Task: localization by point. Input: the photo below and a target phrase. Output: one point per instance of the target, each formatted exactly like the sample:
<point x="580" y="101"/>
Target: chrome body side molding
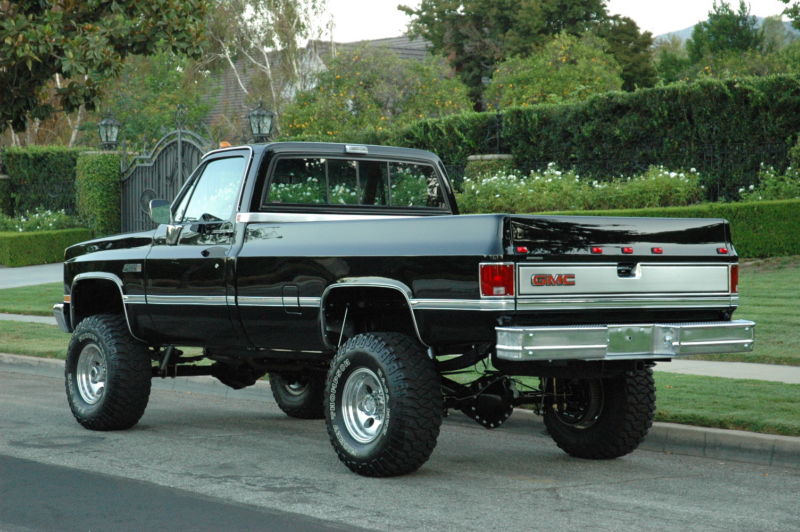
<point x="291" y="217"/>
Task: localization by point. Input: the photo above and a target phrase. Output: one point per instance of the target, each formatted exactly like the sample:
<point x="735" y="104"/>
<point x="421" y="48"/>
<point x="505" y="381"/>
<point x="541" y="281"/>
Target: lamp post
<point x="260" y="122"/>
<point x="109" y="131"/>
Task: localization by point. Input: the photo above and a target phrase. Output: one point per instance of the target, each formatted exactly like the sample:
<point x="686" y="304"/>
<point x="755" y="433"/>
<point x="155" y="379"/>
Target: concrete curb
<point x="724" y="444"/>
<point x="719" y="444"/>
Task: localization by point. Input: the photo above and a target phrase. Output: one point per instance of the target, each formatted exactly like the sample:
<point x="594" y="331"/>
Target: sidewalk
<point x="733" y="370"/>
<point x="31" y="275"/>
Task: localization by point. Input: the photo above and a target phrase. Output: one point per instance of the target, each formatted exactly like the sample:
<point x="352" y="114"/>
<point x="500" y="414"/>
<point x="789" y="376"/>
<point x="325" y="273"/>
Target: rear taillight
<point x="497" y="280"/>
<point x="734" y="279"/>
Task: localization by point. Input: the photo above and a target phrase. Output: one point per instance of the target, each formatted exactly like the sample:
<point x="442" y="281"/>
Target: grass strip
<point x="751" y="405"/>
<point x="33" y="339"/>
<point x="769" y="291"/>
<point x="37" y="300"/>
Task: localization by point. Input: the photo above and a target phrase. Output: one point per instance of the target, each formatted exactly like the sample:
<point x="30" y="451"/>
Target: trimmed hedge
<point x="97" y="188"/>
<point x="724" y="128"/>
<point x="759" y="229"/>
<point x="5" y="196"/>
<point x="42" y="176"/>
<point x="38" y="247"/>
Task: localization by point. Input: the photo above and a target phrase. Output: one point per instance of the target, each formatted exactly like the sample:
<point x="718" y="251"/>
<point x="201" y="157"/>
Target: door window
<point x="215" y="192"/>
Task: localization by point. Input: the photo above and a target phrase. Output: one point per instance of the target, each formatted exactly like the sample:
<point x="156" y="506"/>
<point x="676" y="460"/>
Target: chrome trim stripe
<point x="186" y="300"/>
<point x="292" y="217"/>
<point x="273" y="301"/>
<point x="638" y="302"/>
<point x="310" y="301"/>
<point x="507" y="304"/>
<point x="494" y="305"/>
<point x="259" y="301"/>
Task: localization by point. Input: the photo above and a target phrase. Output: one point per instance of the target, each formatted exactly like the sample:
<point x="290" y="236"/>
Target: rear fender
<point x="362" y="292"/>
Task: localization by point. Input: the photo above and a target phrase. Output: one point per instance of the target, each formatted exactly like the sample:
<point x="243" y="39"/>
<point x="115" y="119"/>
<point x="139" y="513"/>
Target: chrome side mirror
<point x="159" y="211"/>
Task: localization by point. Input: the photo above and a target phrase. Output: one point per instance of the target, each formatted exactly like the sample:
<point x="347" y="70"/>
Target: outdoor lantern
<point x="260" y="122"/>
<point x="109" y="131"/>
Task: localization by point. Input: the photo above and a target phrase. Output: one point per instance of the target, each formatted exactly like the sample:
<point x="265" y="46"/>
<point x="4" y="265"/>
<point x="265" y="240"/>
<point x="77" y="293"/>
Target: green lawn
<point x="36" y="300"/>
<point x="757" y="406"/>
<point x="35" y="339"/>
<point x="770" y="295"/>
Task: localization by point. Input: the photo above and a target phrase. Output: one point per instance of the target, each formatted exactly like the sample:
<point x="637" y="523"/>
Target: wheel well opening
<point x="95" y="296"/>
<point x="367" y="309"/>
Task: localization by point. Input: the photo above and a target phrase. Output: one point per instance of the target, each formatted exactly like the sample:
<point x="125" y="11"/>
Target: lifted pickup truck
<point x="345" y="273"/>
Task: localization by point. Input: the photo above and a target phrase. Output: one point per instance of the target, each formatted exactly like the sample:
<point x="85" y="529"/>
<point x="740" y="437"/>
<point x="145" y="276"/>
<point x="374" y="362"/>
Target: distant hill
<point x="686" y="33"/>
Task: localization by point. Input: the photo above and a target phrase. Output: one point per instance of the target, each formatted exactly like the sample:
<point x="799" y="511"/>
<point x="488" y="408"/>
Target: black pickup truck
<point x="345" y="273"/>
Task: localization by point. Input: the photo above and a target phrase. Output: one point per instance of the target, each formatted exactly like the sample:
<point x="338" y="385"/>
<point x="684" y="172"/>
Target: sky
<point x="357" y="20"/>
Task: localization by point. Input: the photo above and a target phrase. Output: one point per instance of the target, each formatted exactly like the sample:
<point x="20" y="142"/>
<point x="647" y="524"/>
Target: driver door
<point x="188" y="268"/>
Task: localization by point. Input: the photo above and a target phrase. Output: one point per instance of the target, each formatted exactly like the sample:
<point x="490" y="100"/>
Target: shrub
<point x="657" y="187"/>
<point x="491" y="164"/>
<point x="22" y="249"/>
<point x="724" y="128"/>
<point x="97" y="187"/>
<point x="42" y="176"/>
<point x="6" y="206"/>
<point x="758" y="229"/>
<point x="553" y="189"/>
<point x="773" y="185"/>
<point x="39" y="220"/>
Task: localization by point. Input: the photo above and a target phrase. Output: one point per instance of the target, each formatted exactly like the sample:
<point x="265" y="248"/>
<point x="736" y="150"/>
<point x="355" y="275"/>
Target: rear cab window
<point x="341" y="183"/>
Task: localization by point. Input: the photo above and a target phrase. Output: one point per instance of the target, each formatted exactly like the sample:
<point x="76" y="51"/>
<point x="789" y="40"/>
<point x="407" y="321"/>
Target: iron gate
<point x="158" y="175"/>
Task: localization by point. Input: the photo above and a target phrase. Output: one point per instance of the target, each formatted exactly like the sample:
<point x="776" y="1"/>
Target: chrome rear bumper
<point x="625" y="341"/>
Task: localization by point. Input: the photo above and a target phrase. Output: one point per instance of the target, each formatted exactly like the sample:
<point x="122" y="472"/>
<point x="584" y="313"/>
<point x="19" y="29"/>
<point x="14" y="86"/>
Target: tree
<point x="474" y="35"/>
<point x="372" y="88"/>
<point x="632" y="50"/>
<point x="147" y="93"/>
<point x="565" y="69"/>
<point x="82" y="44"/>
<point x="725" y="30"/>
<point x="776" y="35"/>
<point x="793" y="12"/>
<point x="263" y="43"/>
<point x="672" y="61"/>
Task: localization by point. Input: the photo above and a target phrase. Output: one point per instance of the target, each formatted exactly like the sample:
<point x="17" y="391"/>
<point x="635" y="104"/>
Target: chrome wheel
<point x="364" y="405"/>
<point x="91" y="373"/>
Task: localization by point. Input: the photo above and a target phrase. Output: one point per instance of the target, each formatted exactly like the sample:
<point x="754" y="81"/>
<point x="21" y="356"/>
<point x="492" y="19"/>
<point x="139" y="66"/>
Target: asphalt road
<point x="202" y="461"/>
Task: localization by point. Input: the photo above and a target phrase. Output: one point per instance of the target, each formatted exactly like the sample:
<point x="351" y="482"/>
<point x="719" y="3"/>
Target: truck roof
<point x="335" y="148"/>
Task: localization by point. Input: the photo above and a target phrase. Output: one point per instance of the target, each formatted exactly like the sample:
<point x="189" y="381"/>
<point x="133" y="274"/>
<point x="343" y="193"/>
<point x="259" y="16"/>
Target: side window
<point x="353" y="182"/>
<point x="298" y="181"/>
<point x="215" y="192"/>
<point x="415" y="185"/>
